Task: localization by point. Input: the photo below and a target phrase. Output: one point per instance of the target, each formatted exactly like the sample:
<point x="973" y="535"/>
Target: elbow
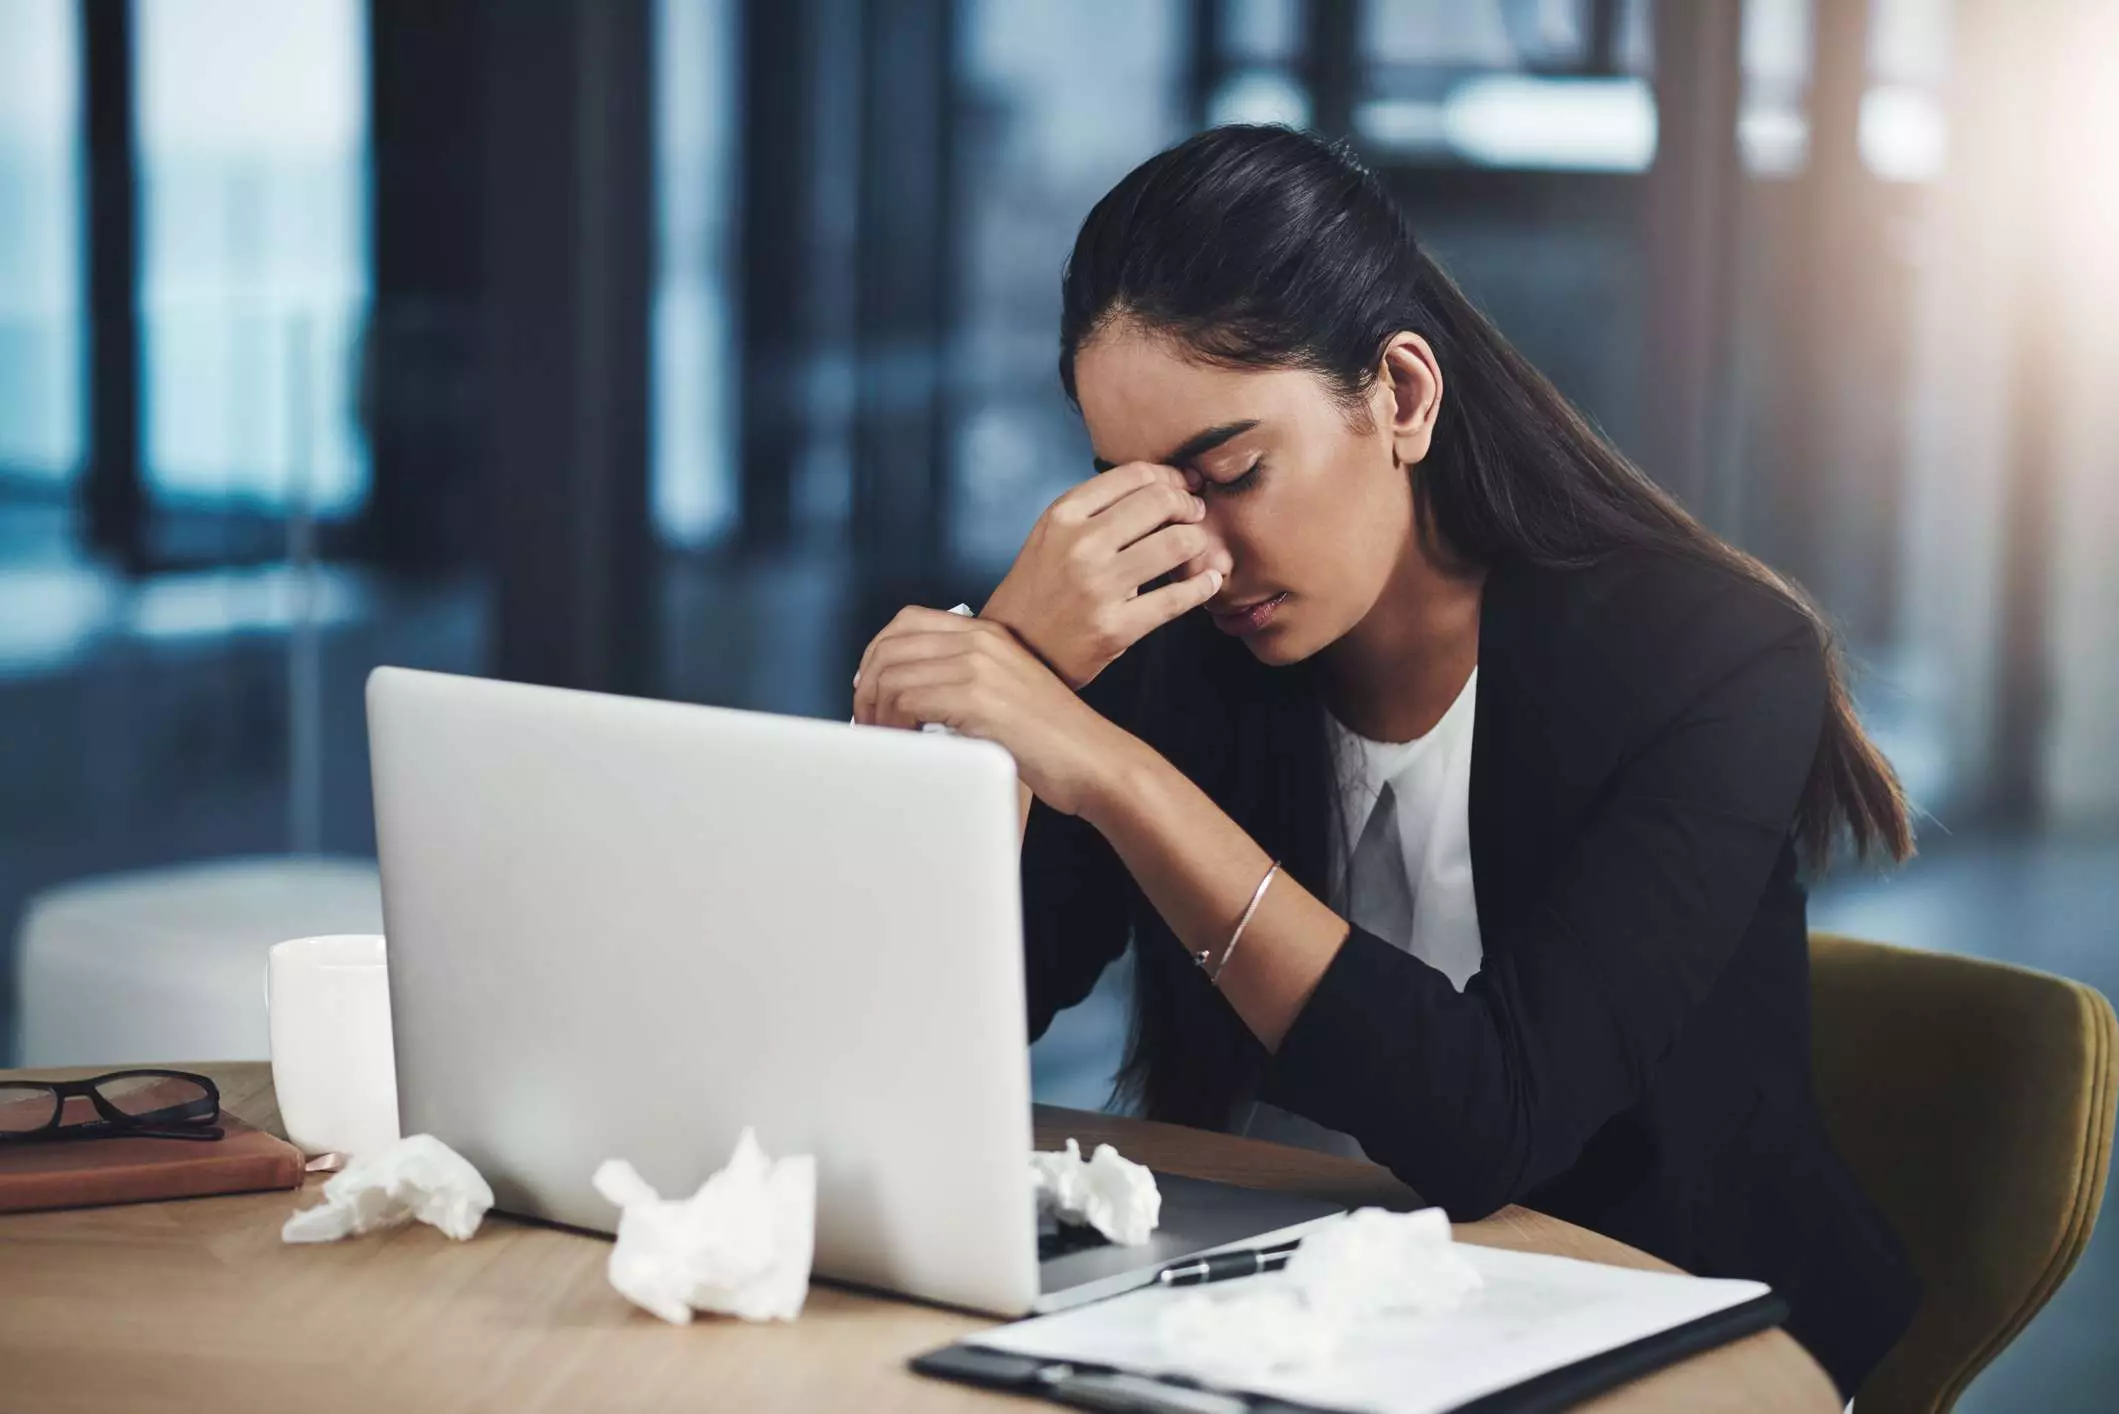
<point x="1466" y="1178"/>
<point x="1476" y="1160"/>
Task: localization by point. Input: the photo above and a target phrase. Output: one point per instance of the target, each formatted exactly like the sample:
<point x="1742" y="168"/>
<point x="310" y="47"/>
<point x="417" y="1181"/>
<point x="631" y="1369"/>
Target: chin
<point x="1280" y="646"/>
<point x="1292" y="638"/>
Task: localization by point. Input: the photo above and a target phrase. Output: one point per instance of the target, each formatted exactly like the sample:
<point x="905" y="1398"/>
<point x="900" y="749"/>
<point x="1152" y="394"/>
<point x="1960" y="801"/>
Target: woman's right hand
<point x="1073" y="595"/>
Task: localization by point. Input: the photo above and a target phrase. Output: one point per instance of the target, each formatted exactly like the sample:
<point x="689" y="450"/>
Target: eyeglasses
<point x="125" y="1104"/>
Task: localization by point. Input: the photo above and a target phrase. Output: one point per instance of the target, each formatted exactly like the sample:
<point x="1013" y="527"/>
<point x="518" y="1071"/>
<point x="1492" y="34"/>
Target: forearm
<point x="1199" y="869"/>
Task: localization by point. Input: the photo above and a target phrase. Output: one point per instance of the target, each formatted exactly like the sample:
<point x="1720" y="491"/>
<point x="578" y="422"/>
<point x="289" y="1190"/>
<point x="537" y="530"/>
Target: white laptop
<point x="629" y="928"/>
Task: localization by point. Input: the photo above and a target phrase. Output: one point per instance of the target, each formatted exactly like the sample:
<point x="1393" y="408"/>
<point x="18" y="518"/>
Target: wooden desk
<point x="197" y="1304"/>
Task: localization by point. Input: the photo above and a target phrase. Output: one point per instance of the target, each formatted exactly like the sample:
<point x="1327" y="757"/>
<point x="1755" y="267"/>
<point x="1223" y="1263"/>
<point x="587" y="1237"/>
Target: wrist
<point x="1123" y="769"/>
<point x="1015" y="632"/>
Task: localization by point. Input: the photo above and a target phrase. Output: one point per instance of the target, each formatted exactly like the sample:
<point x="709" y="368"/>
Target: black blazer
<point x="1634" y="1054"/>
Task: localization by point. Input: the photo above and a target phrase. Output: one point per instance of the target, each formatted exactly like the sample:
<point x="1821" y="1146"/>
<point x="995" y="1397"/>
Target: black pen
<point x="1222" y="1266"/>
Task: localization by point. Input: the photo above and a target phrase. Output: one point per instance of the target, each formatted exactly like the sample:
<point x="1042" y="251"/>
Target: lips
<point x="1248" y="618"/>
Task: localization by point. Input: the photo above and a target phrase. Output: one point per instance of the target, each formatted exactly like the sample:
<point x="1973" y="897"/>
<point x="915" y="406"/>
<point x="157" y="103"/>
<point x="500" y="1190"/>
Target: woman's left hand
<point x="975" y="678"/>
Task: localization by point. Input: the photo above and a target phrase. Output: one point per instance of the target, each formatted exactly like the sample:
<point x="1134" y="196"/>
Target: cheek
<point x="1335" y="543"/>
<point x="1350" y="542"/>
<point x="1271" y="547"/>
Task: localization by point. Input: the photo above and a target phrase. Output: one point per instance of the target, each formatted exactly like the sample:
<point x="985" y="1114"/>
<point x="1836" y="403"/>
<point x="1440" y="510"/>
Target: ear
<point x="1409" y="396"/>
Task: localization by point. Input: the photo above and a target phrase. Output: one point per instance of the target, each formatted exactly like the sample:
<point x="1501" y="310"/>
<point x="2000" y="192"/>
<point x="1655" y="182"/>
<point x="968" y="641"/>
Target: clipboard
<point x="1103" y="1387"/>
<point x="1646" y="1327"/>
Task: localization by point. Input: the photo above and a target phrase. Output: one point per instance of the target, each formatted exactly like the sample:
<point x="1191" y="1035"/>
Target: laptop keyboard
<point x="1066" y="1238"/>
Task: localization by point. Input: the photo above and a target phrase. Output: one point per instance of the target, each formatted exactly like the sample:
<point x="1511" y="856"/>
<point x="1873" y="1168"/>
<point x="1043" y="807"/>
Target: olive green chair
<point x="1974" y="1101"/>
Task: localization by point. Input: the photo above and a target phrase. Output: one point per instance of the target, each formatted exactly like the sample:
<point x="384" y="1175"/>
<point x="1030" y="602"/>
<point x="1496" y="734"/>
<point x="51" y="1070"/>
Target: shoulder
<point x="1640" y="594"/>
<point x="1645" y="632"/>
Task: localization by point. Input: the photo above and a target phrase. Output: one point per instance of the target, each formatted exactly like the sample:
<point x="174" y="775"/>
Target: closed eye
<point x="1242" y="483"/>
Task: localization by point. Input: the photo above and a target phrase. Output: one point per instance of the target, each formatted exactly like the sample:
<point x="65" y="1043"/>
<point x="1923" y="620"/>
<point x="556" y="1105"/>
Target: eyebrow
<point x="1197" y="445"/>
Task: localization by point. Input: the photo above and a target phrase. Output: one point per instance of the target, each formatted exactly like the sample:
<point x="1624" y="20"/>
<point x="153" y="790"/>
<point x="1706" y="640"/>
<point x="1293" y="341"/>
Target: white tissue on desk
<point x="418" y="1177"/>
<point x="1110" y="1193"/>
<point x="741" y="1245"/>
<point x="1371" y="1262"/>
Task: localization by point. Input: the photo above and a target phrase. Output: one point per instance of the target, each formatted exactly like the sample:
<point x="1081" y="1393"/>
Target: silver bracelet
<point x="1204" y="955"/>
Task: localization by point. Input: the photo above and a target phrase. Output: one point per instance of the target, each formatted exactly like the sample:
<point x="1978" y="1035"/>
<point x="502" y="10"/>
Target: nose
<point x="1219" y="554"/>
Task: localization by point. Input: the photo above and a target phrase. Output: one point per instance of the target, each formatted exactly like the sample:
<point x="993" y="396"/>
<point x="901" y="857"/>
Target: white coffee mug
<point x="333" y="1069"/>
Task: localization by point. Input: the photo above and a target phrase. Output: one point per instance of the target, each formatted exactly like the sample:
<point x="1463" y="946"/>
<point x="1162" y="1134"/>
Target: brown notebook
<point x="86" y="1173"/>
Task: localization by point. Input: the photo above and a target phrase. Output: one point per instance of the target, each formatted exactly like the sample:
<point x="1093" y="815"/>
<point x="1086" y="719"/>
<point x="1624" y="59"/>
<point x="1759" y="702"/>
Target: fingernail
<point x="1199" y="504"/>
<point x="856" y="679"/>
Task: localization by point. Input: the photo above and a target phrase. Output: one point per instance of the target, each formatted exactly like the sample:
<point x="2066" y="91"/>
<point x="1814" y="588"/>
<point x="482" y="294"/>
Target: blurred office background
<point x="667" y="346"/>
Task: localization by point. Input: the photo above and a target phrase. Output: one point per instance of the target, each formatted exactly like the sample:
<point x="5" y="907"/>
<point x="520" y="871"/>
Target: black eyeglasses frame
<point x="190" y="1119"/>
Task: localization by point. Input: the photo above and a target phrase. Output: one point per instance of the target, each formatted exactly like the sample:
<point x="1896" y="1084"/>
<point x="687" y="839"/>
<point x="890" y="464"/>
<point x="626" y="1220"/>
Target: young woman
<point x="1463" y="827"/>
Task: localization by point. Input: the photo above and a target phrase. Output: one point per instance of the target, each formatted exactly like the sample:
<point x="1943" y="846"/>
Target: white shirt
<point x="1425" y="904"/>
<point x="1412" y="885"/>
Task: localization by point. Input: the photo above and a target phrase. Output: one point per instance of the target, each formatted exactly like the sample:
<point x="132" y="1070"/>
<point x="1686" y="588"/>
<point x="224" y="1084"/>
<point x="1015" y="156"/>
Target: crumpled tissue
<point x="418" y="1177"/>
<point x="741" y="1245"/>
<point x="1110" y="1193"/>
<point x="1371" y="1262"/>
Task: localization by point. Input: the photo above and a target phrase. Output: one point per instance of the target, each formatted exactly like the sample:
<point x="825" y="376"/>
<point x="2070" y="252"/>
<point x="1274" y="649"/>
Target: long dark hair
<point x="1261" y="247"/>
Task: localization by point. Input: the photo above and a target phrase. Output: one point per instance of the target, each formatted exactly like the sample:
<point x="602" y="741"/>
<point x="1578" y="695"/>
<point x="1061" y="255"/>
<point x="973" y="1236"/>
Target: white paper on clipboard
<point x="1534" y="1315"/>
